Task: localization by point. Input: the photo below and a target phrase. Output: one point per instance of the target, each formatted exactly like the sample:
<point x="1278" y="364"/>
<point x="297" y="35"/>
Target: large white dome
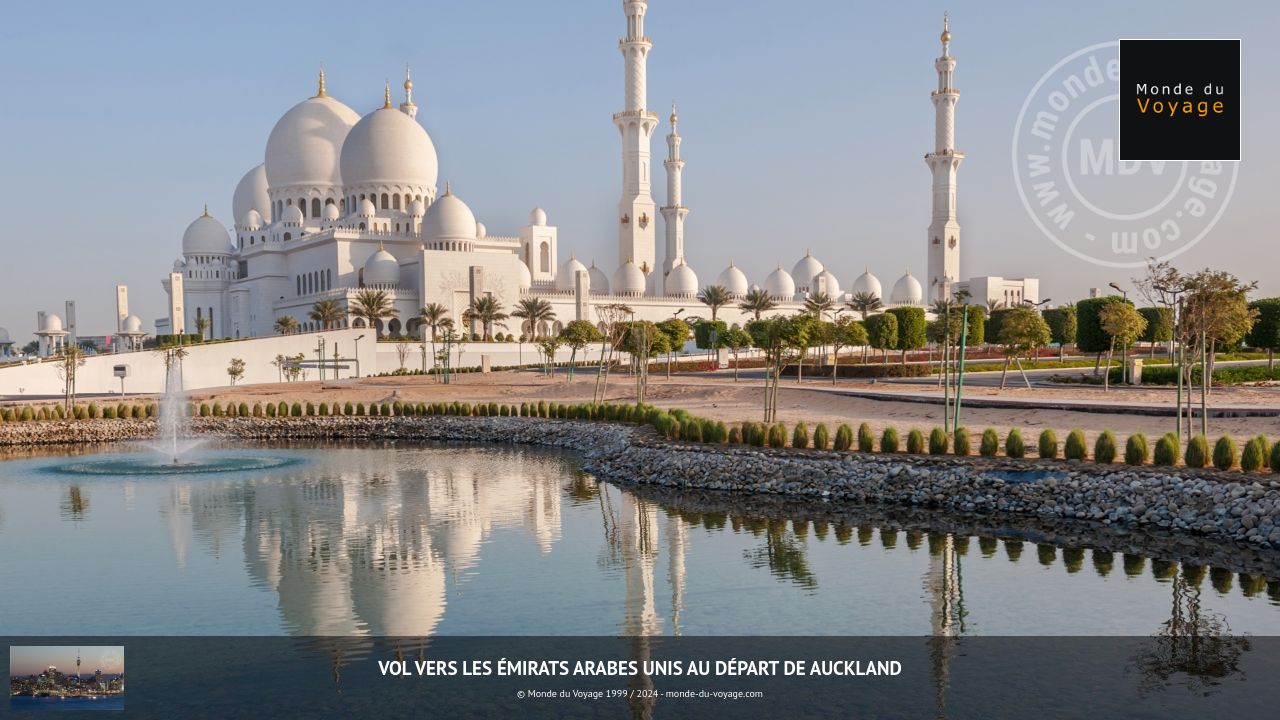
<point x="682" y="282"/>
<point x="449" y="218"/>
<point x="389" y="148"/>
<point x="779" y="285"/>
<point x="805" y="270"/>
<point x="305" y="145"/>
<point x="733" y="280"/>
<point x="381" y="269"/>
<point x="907" y="291"/>
<point x="628" y="280"/>
<point x="206" y="236"/>
<point x="251" y="194"/>
<point x="568" y="274"/>
<point x="599" y="281"/>
<point x="868" y="283"/>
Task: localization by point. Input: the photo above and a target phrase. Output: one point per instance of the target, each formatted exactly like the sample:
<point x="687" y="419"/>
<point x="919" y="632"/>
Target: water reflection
<point x="76" y="505"/>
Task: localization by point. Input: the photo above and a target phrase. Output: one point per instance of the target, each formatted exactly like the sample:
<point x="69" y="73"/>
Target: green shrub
<point x="778" y="436"/>
<point x="693" y="432"/>
<point x="1166" y="452"/>
<point x="322" y="409"/>
<point x="800" y="436"/>
<point x="722" y="433"/>
<point x="243" y="410"/>
<point x="1104" y="449"/>
<point x="1224" y="453"/>
<point x="386" y="410"/>
<point x="735" y="435"/>
<point x="348" y="408"/>
<point x="866" y="439"/>
<point x="989" y="445"/>
<point x="757" y="435"/>
<point x="889" y="440"/>
<point x="153" y="410"/>
<point x="1076" y="447"/>
<point x="94" y="411"/>
<point x="493" y="409"/>
<point x="821" y="437"/>
<point x="1136" y="450"/>
<point x="109" y="413"/>
<point x="1197" y="452"/>
<point x="123" y="411"/>
<point x="218" y="410"/>
<point x="1274" y="458"/>
<point x="1254" y="457"/>
<point x="360" y="408"/>
<point x="296" y="409"/>
<point x="961" y="444"/>
<point x="1014" y="446"/>
<point x="43" y="414"/>
<point x="257" y="409"/>
<point x="937" y="441"/>
<point x="311" y="409"/>
<point x="204" y="410"/>
<point x="271" y="409"/>
<point x="231" y="410"/>
<point x="1047" y="447"/>
<point x="915" y="442"/>
<point x="1265" y="444"/>
<point x="282" y="409"/>
<point x="542" y="409"/>
<point x="844" y="437"/>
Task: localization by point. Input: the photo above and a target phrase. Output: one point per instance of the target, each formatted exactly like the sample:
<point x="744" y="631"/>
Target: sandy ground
<point x="812" y="401"/>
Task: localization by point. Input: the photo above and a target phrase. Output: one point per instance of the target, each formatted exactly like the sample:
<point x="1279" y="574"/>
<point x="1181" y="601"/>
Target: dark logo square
<point x="1180" y="100"/>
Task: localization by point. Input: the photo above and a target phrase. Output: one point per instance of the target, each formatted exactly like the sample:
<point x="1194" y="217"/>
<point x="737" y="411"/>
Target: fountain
<point x="172" y="439"/>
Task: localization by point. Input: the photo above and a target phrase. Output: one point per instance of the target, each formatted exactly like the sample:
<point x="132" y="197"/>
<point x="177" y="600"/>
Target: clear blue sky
<point x="804" y="126"/>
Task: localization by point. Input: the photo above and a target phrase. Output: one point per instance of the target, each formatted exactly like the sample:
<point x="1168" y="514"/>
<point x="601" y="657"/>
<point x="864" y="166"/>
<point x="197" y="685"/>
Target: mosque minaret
<point x="944" y="163"/>
<point x="674" y="212"/>
<point x="636" y="210"/>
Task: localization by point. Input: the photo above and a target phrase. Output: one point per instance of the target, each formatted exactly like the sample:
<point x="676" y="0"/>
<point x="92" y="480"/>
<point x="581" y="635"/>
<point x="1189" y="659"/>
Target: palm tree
<point x="757" y="302"/>
<point x="373" y="306"/>
<point x="533" y="312"/>
<point x="864" y="303"/>
<point x="432" y="317"/>
<point x="202" y="327"/>
<point x="488" y="312"/>
<point x="326" y="312"/>
<point x="286" y="324"/>
<point x="818" y="305"/>
<point x="994" y="304"/>
<point x="714" y="297"/>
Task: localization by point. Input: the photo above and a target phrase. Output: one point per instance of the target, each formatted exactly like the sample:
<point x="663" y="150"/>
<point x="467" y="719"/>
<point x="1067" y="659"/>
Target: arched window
<point x="328" y="282"/>
<point x="361" y="226"/>
<point x="288" y="237"/>
<point x="385" y="201"/>
<point x="395" y="202"/>
<point x="289" y="202"/>
<point x="302" y="205"/>
<point x="315" y="207"/>
<point x="544" y="258"/>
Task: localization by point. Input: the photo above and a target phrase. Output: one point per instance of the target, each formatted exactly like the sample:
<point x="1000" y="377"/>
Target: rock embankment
<point x="1228" y="507"/>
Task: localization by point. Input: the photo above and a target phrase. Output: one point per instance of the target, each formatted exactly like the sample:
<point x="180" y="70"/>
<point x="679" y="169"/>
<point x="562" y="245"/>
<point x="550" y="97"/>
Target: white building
<point x="344" y="202"/>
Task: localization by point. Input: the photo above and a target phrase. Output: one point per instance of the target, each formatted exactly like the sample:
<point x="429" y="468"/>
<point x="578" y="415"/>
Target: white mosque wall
<point x="505" y="354"/>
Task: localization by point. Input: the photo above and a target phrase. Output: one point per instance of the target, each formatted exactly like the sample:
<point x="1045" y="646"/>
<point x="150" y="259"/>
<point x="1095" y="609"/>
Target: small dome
<point x="599" y="281"/>
<point x="179" y="264"/>
<point x="206" y="236"/>
<point x="251" y="194"/>
<point x="733" y="280"/>
<point x="907" y="291"/>
<point x="538" y="217"/>
<point x="381" y="269"/>
<point x="628" y="280"/>
<point x="305" y="144"/>
<point x="526" y="277"/>
<point x="833" y="285"/>
<point x="331" y="212"/>
<point x="4" y="335"/>
<point x="387" y="147"/>
<point x="868" y="283"/>
<point x="481" y="230"/>
<point x="417" y="208"/>
<point x="805" y="270"/>
<point x="133" y="324"/>
<point x="682" y="282"/>
<point x="568" y="274"/>
<point x="292" y="215"/>
<point x="367" y="208"/>
<point x="52" y="324"/>
<point x="251" y="220"/>
<point x="449" y="218"/>
<point x="780" y="285"/>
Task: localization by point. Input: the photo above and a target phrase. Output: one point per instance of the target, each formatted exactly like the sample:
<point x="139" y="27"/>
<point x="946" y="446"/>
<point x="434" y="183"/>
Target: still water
<point x="414" y="540"/>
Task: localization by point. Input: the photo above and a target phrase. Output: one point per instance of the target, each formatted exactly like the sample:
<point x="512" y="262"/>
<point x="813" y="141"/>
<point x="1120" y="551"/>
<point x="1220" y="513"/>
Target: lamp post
<point x="320" y="355"/>
<point x="358" y="339"/>
<point x="1124" y="351"/>
<point x="1176" y="360"/>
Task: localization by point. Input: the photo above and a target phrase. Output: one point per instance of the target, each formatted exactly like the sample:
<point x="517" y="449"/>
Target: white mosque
<point x="343" y="202"/>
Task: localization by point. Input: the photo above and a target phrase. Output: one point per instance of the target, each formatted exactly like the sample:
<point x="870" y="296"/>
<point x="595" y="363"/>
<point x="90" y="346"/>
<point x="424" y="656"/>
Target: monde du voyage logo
<point x="1126" y="150"/>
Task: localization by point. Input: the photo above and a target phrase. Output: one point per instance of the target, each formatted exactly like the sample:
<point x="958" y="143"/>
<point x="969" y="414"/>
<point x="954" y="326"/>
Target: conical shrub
<point x="844" y="438"/>
<point x="961" y="443"/>
<point x="915" y="442"/>
<point x="989" y="446"/>
<point x="1075" y="448"/>
<point x="800" y="436"/>
<point x="1166" y="452"/>
<point x="1047" y="447"/>
<point x="866" y="439"/>
<point x="1014" y="446"/>
<point x="821" y="437"/>
<point x="1224" y="453"/>
<point x="1197" y="452"/>
<point x="889" y="441"/>
<point x="938" y="441"/>
<point x="1104" y="449"/>
<point x="1136" y="450"/>
<point x="1254" y="457"/>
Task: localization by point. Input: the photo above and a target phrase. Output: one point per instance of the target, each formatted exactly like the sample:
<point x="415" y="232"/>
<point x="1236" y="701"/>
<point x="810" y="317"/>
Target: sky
<point x="804" y="126"/>
<point x="27" y="660"/>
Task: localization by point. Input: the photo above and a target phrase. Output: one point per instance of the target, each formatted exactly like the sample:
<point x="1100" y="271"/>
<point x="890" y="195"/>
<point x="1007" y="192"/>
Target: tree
<point x="912" y="329"/>
<point x="1123" y="323"/>
<point x="374" y="306"/>
<point x="864" y="302"/>
<point x="432" y="316"/>
<point x="677" y="332"/>
<point x="995" y="322"/>
<point x="202" y="326"/>
<point x="1022" y="332"/>
<point x="845" y="332"/>
<point x="235" y="370"/>
<point x="402" y="352"/>
<point x="736" y="340"/>
<point x="577" y="335"/>
<point x="1090" y="337"/>
<point x="1062" y="326"/>
<point x="532" y="312"/>
<point x="286" y="324"/>
<point x="706" y="333"/>
<point x="779" y="338"/>
<point x="1159" y="326"/>
<point x="757" y="302"/>
<point x="1265" y="333"/>
<point x="327" y="313"/>
<point x="818" y="305"/>
<point x="611" y="317"/>
<point x="714" y="297"/>
<point x="69" y="362"/>
<point x="487" y="311"/>
<point x="977" y="332"/>
<point x="994" y="304"/>
<point x="882" y="332"/>
<point x="1216" y="314"/>
<point x="548" y="347"/>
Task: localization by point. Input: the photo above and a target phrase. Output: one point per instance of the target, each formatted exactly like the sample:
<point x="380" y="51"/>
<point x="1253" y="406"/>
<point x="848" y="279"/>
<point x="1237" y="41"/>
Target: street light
<point x="1037" y="305"/>
<point x="1169" y="296"/>
<point x="357" y="358"/>
<point x="1123" y="293"/>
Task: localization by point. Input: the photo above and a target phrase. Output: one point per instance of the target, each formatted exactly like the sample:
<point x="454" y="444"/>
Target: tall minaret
<point x="674" y="212"/>
<point x="407" y="107"/>
<point x="944" y="161"/>
<point x="636" y="221"/>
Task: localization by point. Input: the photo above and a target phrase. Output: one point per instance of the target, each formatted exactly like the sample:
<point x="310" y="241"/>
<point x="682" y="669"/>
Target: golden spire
<point x="386" y="96"/>
<point x="674" y="118"/>
<point x="448" y="188"/>
<point x="946" y="33"/>
<point x="206" y="210"/>
<point x="320" y="92"/>
<point x="408" y="81"/>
